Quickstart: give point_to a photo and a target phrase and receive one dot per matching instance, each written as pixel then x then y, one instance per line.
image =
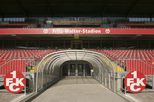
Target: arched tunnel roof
pixel 56 59
pixel 49 68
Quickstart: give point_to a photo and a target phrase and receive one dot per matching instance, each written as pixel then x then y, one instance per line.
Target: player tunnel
pixel 76 68
pixel 75 63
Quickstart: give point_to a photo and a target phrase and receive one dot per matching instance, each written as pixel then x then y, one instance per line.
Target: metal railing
pixel 48 68
pixel 149 83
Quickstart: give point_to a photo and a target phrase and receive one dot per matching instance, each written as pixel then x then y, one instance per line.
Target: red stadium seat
pixel 17 59
pixel 142 60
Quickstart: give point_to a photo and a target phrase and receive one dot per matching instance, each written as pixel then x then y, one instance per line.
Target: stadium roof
pixel 77 8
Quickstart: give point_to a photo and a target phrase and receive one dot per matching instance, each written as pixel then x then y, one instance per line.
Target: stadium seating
pixel 141 60
pixel 130 60
pixel 18 59
pixel 18 65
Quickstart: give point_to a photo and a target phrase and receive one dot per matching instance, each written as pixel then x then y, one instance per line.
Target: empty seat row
pixel 130 60
pixel 19 59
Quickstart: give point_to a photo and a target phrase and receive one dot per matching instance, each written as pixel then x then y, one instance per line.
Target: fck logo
pixel 135 82
pixel 14 82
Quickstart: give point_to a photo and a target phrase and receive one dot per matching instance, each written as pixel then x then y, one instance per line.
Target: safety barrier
pixel 149 83
pixel 144 66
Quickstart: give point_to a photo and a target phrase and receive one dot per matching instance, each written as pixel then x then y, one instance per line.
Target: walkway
pixel 78 89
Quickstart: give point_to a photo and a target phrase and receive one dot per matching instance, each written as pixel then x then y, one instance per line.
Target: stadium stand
pixel 19 59
pixel 106 22
pixel 128 59
pixel 131 60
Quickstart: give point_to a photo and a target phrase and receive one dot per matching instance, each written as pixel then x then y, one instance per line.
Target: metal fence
pixel 122 88
pixel 26 66
pixel 146 67
pixel 48 69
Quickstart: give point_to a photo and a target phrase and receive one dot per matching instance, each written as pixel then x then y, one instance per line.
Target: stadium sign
pixel 14 82
pixel 135 82
pixel 35 31
pixel 76 31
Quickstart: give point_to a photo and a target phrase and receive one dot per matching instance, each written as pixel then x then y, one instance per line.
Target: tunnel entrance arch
pixel 49 68
pixel 76 68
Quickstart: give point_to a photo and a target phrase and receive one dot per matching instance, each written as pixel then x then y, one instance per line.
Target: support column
pixel 153 82
pixel 76 70
pixel 109 75
pixel 119 81
pixel 69 70
pixel 84 72
pixel 105 81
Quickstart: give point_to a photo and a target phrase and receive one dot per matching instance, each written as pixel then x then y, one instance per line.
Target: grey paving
pixel 5 96
pixel 77 89
pixel 143 97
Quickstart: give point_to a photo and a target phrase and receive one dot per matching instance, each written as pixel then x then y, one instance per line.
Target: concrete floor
pixel 78 89
pixel 143 97
pixel 5 96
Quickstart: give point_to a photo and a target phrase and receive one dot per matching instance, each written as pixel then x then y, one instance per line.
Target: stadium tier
pixel 105 22
pixel 19 59
pixel 130 60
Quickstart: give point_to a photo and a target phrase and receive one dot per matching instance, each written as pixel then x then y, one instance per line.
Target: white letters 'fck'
pixel 139 82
